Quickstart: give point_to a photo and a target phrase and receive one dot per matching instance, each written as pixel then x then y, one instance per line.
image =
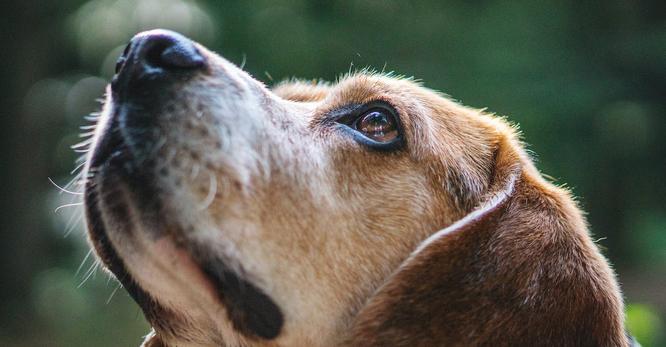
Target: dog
pixel 368 212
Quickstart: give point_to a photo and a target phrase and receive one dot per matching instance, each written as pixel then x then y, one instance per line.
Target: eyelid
pixel 346 114
pixel 349 114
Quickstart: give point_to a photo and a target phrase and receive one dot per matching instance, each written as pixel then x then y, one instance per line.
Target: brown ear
pixel 519 270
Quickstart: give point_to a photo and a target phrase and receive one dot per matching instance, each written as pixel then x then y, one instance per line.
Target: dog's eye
pixel 378 124
pixel 375 125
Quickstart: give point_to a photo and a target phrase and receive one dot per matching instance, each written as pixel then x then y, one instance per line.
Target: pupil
pixel 378 126
pixel 378 122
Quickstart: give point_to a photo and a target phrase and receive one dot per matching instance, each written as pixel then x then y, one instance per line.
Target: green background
pixel 586 81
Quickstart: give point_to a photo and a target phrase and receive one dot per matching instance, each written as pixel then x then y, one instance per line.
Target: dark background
pixel 586 81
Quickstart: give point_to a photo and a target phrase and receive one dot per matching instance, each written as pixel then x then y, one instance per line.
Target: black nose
pixel 158 52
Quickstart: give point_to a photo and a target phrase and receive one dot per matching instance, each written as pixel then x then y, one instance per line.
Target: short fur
pixel 453 240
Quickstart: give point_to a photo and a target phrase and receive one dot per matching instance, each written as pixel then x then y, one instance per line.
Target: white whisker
pixel 82 144
pixel 212 191
pixel 74 180
pixel 91 270
pixel 77 168
pixel 242 64
pixel 67 205
pixel 63 189
pixel 83 262
pixel 113 293
pixel 74 219
pixel 86 134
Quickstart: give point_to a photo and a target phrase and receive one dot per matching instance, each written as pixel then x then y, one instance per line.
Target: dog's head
pixel 236 214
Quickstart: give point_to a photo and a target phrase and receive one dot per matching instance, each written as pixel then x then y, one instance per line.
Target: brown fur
pixel 340 237
pixel 524 274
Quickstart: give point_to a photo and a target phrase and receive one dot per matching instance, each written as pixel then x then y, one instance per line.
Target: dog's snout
pixel 158 53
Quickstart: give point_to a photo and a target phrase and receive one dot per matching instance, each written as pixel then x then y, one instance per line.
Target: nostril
pixel 180 56
pixel 119 64
pixel 126 50
pixel 169 52
pixel 123 58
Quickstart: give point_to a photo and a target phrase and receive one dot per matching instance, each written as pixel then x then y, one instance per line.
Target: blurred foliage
pixel 645 324
pixel 586 81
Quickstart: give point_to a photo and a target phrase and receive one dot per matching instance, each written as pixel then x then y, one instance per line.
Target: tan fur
pixel 334 232
pixel 302 91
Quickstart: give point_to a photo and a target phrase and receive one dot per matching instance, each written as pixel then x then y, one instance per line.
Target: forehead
pixel 356 89
pixel 365 88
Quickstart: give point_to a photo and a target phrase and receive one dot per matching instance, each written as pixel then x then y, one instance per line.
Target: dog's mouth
pixel 112 195
pixel 123 197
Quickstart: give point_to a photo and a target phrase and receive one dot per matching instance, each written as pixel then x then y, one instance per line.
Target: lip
pixel 250 311
pixel 131 189
pixel 112 163
pixel 106 252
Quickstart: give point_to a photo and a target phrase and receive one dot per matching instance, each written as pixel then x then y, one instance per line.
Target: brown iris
pixel 379 125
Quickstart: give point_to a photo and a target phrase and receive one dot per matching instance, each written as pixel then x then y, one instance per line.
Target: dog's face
pixel 235 214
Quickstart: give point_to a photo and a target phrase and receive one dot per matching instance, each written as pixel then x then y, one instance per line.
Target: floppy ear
pixel 518 270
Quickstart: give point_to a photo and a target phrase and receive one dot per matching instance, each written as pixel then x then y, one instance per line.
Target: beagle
pixel 367 212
